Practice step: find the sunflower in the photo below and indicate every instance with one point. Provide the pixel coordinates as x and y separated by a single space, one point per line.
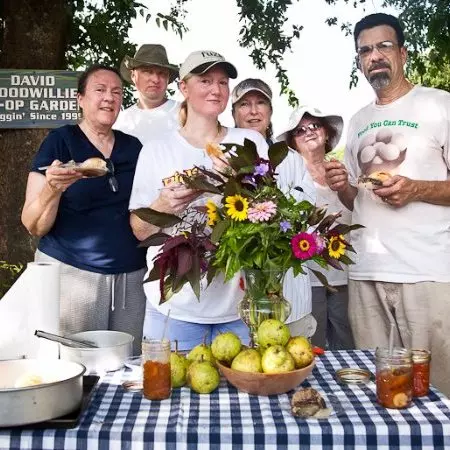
237 207
213 217
336 246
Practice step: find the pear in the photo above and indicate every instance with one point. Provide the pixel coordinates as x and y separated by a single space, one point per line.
178 368
273 332
201 352
203 377
277 359
225 347
300 349
248 360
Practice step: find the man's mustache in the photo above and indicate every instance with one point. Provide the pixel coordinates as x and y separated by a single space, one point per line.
379 65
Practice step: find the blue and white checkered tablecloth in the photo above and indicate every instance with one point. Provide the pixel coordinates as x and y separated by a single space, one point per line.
229 419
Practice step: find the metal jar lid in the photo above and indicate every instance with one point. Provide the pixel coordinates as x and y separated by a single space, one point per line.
353 375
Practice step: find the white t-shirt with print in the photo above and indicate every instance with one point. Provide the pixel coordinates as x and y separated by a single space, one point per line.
146 124
329 199
409 137
161 159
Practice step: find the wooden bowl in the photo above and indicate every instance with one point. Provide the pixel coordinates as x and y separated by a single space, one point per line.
265 383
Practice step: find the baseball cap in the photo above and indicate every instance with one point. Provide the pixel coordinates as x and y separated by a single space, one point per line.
201 61
249 85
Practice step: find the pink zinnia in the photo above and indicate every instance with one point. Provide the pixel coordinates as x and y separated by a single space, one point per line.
261 212
320 243
304 245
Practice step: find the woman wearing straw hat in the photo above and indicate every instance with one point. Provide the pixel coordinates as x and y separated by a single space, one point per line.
313 134
205 86
150 72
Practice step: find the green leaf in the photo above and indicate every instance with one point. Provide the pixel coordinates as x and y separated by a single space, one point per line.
277 153
154 240
248 152
218 230
154 274
157 218
203 185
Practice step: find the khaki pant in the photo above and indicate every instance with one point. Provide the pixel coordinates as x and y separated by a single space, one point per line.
420 313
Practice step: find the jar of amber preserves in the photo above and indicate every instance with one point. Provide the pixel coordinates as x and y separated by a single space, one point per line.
394 377
421 372
156 367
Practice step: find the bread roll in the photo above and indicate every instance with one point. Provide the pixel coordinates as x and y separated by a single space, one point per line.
374 180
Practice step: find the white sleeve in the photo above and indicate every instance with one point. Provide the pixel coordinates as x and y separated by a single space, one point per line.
293 173
145 183
446 128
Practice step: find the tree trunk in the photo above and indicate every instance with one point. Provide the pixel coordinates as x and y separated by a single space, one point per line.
35 36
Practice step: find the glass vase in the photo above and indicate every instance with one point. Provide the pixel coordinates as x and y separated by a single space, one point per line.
263 299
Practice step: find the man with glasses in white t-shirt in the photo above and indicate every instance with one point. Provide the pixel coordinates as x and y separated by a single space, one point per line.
396 182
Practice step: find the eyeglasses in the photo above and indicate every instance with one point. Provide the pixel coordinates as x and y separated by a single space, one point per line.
384 48
112 180
301 131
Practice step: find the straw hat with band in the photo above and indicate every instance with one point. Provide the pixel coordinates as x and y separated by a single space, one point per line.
201 61
250 85
148 55
334 121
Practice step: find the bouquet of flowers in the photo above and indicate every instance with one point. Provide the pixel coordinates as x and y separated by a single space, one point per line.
248 223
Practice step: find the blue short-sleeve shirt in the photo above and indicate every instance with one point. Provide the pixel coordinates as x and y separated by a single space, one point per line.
92 228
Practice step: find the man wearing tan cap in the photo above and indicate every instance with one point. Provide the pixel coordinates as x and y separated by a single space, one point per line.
153 113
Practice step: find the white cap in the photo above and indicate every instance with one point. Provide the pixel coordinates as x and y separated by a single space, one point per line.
201 61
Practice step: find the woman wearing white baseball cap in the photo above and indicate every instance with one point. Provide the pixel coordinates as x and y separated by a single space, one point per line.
313 134
205 86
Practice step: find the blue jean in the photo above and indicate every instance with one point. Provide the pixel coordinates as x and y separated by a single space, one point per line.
190 334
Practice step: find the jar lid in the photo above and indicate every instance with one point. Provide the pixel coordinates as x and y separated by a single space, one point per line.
353 375
421 356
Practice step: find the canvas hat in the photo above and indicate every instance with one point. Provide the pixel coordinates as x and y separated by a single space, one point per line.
249 85
147 55
334 121
201 61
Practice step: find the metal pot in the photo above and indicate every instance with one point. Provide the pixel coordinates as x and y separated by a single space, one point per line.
114 347
25 405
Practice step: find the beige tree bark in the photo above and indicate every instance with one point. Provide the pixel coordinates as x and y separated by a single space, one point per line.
34 36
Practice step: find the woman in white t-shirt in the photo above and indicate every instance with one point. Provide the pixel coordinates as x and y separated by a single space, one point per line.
204 84
313 134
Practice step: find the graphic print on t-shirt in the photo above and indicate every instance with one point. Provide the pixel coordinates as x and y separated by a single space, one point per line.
382 151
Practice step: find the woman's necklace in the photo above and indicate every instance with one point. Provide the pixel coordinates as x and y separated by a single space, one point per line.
201 143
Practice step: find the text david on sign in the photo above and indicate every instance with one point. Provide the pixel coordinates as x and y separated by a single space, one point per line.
38 98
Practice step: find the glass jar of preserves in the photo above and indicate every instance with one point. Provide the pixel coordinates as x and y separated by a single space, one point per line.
421 372
156 368
394 377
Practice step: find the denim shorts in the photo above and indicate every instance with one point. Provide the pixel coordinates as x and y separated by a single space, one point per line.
190 334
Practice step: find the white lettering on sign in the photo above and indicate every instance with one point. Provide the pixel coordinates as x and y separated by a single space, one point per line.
32 80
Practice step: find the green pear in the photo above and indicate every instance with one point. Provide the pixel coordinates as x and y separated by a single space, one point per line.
276 359
225 347
300 349
201 352
203 377
178 369
248 360
273 332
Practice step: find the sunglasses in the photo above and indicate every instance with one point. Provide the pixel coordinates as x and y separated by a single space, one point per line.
112 180
301 131
384 48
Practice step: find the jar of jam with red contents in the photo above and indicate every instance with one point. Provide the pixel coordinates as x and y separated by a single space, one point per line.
394 377
421 372
156 367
